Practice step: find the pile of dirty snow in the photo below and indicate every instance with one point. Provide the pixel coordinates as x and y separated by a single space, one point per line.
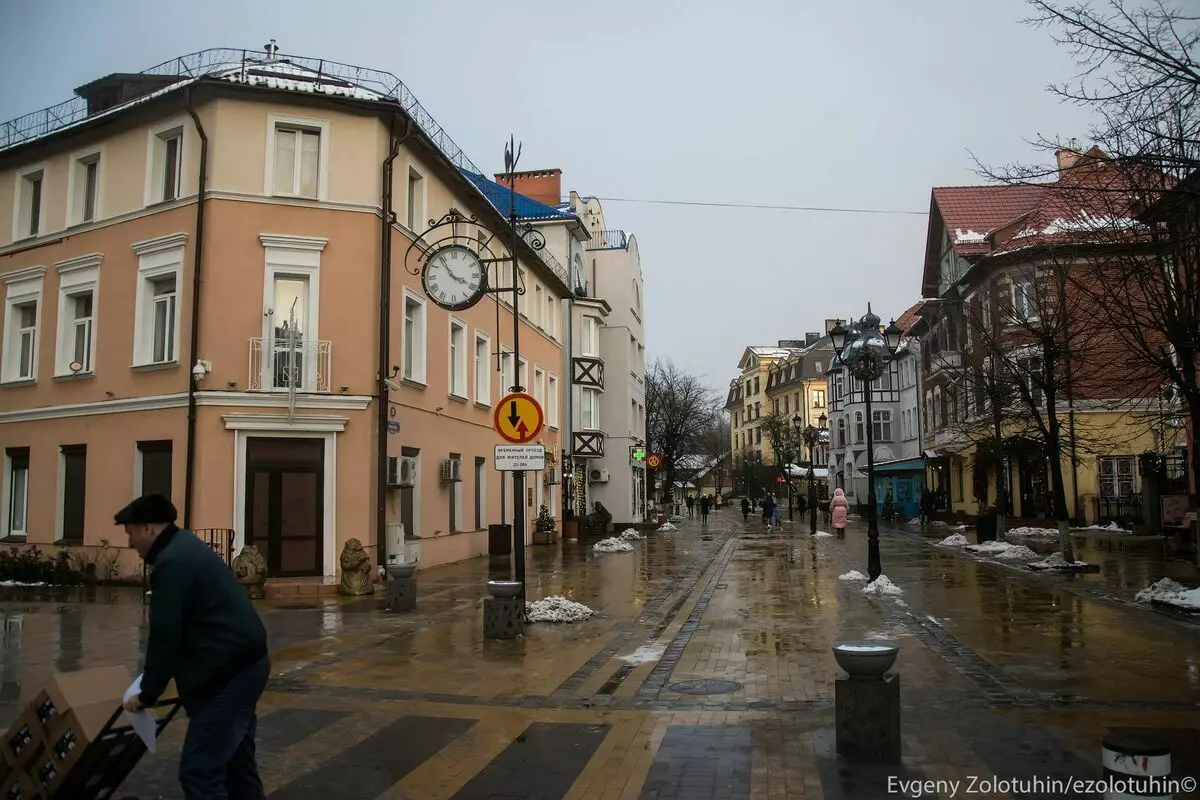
1173 592
667 528
881 586
1034 533
631 535
852 575
822 535
22 584
557 609
675 518
1111 527
1056 561
613 544
1003 551
954 540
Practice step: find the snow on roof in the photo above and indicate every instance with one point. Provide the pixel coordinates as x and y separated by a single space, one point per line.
293 78
968 237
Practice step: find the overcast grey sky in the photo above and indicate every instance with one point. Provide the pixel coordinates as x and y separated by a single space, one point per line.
780 102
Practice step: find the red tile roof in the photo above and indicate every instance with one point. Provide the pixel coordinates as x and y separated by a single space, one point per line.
910 317
980 209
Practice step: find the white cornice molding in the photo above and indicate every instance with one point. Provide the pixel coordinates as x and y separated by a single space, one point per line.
280 422
89 261
282 241
158 244
116 406
25 274
327 402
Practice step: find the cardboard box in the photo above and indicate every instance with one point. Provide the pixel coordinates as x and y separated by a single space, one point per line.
86 687
45 772
18 785
77 729
21 740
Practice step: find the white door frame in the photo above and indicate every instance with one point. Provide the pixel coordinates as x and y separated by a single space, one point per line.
276 426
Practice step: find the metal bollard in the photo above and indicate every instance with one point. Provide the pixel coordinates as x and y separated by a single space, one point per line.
1136 767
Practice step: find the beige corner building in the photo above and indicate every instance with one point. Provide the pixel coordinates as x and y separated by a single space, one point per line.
191 261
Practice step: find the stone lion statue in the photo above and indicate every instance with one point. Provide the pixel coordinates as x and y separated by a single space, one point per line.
250 569
356 570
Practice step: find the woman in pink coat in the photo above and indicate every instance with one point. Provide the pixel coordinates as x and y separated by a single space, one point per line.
839 507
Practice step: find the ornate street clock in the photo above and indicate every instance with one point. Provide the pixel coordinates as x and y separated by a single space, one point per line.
454 278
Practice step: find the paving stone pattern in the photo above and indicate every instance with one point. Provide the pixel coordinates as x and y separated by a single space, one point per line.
1005 674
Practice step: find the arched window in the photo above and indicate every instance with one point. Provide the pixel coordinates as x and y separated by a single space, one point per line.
841 431
859 428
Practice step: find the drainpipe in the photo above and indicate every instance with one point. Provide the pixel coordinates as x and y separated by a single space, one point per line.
197 261
385 333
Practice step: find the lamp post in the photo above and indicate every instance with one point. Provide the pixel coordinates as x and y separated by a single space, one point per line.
811 437
798 424
866 351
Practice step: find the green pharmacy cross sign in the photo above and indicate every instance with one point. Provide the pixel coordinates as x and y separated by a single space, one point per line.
638 454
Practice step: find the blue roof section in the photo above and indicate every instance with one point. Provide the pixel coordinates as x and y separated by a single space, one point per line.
500 196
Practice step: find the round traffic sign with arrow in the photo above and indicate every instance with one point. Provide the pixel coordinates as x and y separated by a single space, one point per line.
518 418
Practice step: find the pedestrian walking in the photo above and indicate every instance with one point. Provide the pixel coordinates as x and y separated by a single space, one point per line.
718 501
705 502
768 510
207 637
839 509
691 503
745 509
928 502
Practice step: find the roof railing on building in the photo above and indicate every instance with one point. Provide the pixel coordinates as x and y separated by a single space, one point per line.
608 240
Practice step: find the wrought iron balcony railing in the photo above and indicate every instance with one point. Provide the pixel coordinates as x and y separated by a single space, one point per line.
277 366
608 240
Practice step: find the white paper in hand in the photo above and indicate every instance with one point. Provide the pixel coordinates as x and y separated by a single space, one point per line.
143 722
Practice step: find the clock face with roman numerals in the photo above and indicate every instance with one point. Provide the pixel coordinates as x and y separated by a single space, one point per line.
454 278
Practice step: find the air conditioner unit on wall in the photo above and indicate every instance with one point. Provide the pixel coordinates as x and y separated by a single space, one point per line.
551 476
599 476
451 470
401 472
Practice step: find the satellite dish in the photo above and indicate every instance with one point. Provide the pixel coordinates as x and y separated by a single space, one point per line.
75 366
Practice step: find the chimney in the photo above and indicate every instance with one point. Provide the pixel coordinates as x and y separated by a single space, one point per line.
811 338
830 324
543 185
785 344
1068 157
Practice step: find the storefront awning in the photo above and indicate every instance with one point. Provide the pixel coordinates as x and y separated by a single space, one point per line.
899 466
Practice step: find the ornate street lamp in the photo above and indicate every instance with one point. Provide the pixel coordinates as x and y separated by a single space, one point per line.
811 437
866 351
798 424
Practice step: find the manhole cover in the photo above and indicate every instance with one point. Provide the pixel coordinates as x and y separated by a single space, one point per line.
705 687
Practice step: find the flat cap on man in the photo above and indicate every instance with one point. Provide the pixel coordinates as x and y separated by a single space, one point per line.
149 509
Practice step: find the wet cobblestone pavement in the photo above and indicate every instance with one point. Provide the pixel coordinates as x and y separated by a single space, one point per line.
1005 674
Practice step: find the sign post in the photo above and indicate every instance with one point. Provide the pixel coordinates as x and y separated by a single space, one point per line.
520 457
518 418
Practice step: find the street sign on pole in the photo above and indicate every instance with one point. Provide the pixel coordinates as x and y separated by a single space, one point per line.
518 418
517 457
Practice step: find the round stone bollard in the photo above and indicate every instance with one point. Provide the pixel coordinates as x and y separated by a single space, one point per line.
1136 767
867 703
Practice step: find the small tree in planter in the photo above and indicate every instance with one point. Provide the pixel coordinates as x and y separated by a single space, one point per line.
544 521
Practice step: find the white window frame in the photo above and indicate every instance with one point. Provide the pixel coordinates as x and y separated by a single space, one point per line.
1112 479
158 259
589 409
507 373
77 185
22 220
415 372
552 400
156 155
456 372
523 374
539 385
6 527
859 429
539 306
881 425
589 336
552 315
1022 299
416 217
22 287
321 128
483 368
298 258
76 277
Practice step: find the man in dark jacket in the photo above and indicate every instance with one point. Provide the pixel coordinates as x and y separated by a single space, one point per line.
206 635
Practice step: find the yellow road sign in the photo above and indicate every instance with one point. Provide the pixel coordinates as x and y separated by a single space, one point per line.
518 418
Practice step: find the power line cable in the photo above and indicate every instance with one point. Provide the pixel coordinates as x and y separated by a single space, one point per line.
763 206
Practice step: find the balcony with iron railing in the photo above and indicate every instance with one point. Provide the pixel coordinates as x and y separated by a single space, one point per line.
277 366
608 240
943 360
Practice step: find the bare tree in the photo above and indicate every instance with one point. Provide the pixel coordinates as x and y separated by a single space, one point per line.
713 444
786 442
680 408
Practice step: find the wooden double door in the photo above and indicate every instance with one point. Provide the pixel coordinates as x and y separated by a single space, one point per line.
285 509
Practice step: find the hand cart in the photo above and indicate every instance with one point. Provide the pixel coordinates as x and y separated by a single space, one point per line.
109 759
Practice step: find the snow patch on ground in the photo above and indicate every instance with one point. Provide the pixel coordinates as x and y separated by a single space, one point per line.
646 654
631 535
613 544
954 540
899 602
667 528
1056 561
852 575
675 518
822 535
1172 592
937 523
882 586
557 609
1003 551
1034 533
1111 527
24 583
